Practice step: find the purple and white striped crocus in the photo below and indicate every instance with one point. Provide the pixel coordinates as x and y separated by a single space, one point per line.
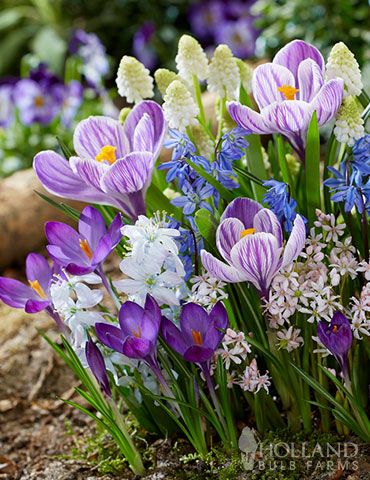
84 251
250 239
114 163
287 91
35 297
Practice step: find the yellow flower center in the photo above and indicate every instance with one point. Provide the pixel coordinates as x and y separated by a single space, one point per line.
335 328
197 337
288 91
138 333
248 231
86 248
39 102
108 154
37 287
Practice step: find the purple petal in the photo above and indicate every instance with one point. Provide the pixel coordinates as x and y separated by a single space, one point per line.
173 336
219 269
110 336
96 363
310 80
266 80
35 306
90 171
294 53
296 241
219 316
144 135
114 230
137 348
94 133
244 209
228 234
130 316
288 117
247 118
129 174
194 318
38 268
257 256
74 269
267 221
68 240
159 127
57 176
15 293
91 226
103 249
198 354
328 100
152 307
149 327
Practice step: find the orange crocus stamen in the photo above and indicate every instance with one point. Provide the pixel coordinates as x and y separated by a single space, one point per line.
248 231
288 91
86 248
335 328
39 102
138 333
37 287
108 154
197 337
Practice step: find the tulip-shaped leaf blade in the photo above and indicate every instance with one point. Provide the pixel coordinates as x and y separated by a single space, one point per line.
313 169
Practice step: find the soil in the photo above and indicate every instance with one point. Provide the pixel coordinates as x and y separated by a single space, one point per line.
38 430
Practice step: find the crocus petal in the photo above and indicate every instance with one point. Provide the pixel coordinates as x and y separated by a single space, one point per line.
151 307
138 348
144 135
35 306
310 80
110 336
328 100
219 269
74 269
294 53
257 257
267 221
173 336
57 176
266 80
94 133
38 268
130 317
103 249
288 117
155 112
219 316
247 118
96 363
296 241
68 240
91 226
129 174
193 318
228 234
89 171
15 293
198 354
244 209
114 229
149 327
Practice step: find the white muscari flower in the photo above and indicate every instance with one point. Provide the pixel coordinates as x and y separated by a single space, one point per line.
179 107
224 76
245 72
163 78
349 126
134 80
191 59
205 145
170 193
343 64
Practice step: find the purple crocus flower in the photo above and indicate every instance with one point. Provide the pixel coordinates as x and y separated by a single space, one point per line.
250 239
205 17
199 334
141 45
73 96
288 91
84 251
239 35
96 363
337 338
40 97
114 164
136 336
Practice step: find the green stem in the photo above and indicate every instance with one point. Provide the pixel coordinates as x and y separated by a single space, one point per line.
198 96
222 113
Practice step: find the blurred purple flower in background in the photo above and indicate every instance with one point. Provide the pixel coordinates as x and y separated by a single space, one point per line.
89 48
226 22
6 106
73 96
141 45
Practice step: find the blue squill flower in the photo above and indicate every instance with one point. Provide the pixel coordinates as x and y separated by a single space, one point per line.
181 144
194 197
278 199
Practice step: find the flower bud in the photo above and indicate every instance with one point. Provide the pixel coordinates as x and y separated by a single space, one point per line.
224 76
191 59
134 80
163 78
343 64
